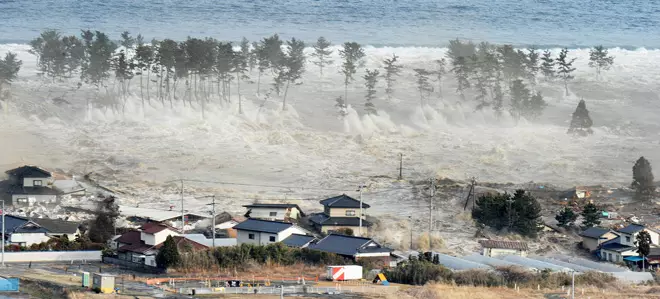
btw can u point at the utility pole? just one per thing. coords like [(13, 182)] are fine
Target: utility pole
[(361, 213), (183, 217), (573, 284), (400, 166), (212, 204), (3, 233), (470, 195), (411, 232), (431, 212)]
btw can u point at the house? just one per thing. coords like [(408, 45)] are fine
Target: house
[(141, 216), (615, 250), (340, 213), (494, 248), (27, 231), (144, 249), (208, 242), (30, 184), (274, 211), (629, 234), (355, 248), (593, 237), (298, 241), (263, 232)]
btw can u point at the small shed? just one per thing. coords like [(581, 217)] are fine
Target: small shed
[(104, 282), (493, 248)]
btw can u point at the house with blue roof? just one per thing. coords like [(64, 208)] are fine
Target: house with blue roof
[(27, 231), (623, 248)]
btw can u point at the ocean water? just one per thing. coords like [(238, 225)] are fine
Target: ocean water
[(623, 23)]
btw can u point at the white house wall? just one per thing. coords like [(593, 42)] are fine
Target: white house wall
[(290, 231), (52, 256), (27, 239), (33, 198), (29, 182), (264, 213), (259, 238)]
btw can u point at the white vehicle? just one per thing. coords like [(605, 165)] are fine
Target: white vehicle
[(341, 273)]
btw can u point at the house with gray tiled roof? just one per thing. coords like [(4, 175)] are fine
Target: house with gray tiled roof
[(340, 213), (31, 184), (263, 232), (353, 247)]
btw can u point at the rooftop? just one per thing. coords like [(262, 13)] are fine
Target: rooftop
[(155, 227), (631, 229), (504, 244), (155, 215), (57, 226), (323, 219), (296, 240), (29, 171), (594, 232), (34, 190), (131, 237), (343, 201), (348, 245), (274, 206), (265, 226), (219, 242), (616, 246)]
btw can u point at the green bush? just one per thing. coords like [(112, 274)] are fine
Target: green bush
[(417, 272)]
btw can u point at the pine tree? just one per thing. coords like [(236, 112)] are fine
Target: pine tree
[(223, 67), (370, 81), (643, 177), (353, 55), (51, 54), (534, 108), (458, 49), (440, 73), (513, 63), (167, 56), (532, 65), (566, 217), (74, 51), (272, 47), (527, 214), (565, 67), (423, 85), (520, 213), (240, 63), (643, 242), (144, 56), (392, 70), (9, 68), (581, 122), (600, 59), (102, 227), (590, 215), (520, 95), (168, 255), (293, 65), (548, 65), (498, 98), (263, 63), (322, 53), (461, 70)]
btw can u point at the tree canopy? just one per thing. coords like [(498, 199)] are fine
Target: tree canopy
[(519, 212), (168, 255), (643, 177), (581, 122), (591, 215)]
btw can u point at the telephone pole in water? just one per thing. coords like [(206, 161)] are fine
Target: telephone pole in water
[(400, 166), (431, 211), (212, 204), (473, 182)]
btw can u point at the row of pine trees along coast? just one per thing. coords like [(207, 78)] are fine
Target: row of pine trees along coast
[(199, 71)]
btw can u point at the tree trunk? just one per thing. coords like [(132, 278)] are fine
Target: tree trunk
[(286, 90), (258, 82), (566, 86), (142, 90), (346, 95), (160, 88), (148, 80)]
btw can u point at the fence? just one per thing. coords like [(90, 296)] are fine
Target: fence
[(133, 266), (52, 256), (290, 290)]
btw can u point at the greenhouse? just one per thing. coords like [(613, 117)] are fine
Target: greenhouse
[(493, 262), (455, 263)]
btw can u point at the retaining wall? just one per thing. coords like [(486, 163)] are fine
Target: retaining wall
[(52, 256)]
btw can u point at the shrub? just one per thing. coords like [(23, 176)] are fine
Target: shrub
[(417, 272), (478, 277)]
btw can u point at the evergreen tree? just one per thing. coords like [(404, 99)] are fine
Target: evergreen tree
[(223, 67), (74, 51), (566, 217), (513, 63), (9, 68), (272, 47), (98, 53), (102, 228), (263, 63), (167, 56), (123, 73), (293, 65), (520, 213), (643, 177), (461, 70), (168, 255), (498, 97), (240, 64), (322, 53), (254, 59), (392, 70), (440, 73), (370, 81), (458, 49), (520, 96), (566, 68), (423, 85), (643, 242), (591, 215), (144, 56), (527, 214), (535, 106), (353, 55), (532, 65), (600, 59), (246, 54), (548, 65), (51, 54), (581, 122)]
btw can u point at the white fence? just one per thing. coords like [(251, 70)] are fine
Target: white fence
[(52, 256)]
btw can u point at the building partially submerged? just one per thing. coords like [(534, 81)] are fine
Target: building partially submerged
[(494, 248), (274, 211)]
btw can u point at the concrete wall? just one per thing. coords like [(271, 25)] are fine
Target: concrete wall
[(264, 213), (28, 239), (25, 199), (494, 252), (356, 229), (243, 236), (51, 256)]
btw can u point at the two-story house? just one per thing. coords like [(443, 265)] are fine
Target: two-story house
[(340, 213), (274, 211), (28, 231), (31, 184), (263, 232), (617, 249), (143, 249), (593, 237)]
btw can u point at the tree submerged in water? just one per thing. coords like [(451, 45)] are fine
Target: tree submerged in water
[(643, 177), (581, 122)]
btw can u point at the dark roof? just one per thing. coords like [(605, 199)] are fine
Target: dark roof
[(504, 244), (56, 226), (28, 171), (343, 201), (138, 248), (631, 229), (296, 240), (156, 227), (616, 246), (13, 222), (181, 241), (16, 189), (275, 206), (30, 228), (348, 245), (132, 237), (594, 232), (323, 219), (265, 226)]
